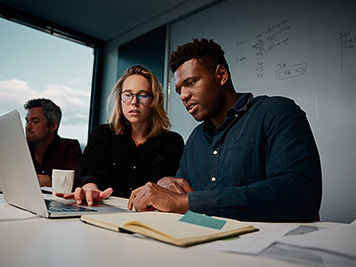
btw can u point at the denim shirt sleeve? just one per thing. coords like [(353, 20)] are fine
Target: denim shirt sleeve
[(268, 167)]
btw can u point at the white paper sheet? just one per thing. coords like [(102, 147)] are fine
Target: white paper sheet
[(341, 240), (252, 243)]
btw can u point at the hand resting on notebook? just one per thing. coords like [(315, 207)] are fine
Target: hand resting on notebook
[(89, 193)]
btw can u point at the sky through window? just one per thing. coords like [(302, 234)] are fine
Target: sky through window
[(34, 64)]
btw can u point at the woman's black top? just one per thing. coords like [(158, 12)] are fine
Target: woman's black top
[(111, 160)]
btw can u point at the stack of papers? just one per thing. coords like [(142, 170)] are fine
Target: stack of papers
[(305, 244)]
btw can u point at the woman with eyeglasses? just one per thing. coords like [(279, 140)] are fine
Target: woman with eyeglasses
[(134, 147)]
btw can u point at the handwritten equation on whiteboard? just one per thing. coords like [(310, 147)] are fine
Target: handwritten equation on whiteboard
[(273, 38), (285, 71), (348, 43)]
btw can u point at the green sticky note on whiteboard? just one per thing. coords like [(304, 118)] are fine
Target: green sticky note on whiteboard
[(202, 220)]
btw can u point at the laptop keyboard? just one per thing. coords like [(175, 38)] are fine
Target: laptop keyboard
[(56, 206)]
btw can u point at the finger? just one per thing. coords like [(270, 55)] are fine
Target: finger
[(133, 197), (79, 195), (177, 185), (142, 201), (185, 185), (65, 196), (166, 181), (144, 204), (129, 204), (89, 196), (104, 194)]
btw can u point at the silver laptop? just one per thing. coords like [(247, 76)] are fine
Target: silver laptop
[(18, 178)]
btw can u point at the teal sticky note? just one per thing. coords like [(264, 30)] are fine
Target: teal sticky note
[(202, 220)]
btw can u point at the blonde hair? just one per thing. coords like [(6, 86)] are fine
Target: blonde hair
[(159, 122)]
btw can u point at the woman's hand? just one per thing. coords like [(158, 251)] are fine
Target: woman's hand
[(89, 193)]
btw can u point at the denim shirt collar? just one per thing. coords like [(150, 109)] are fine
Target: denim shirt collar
[(241, 106)]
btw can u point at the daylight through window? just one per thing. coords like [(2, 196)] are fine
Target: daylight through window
[(35, 64)]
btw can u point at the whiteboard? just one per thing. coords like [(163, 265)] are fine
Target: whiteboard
[(305, 50)]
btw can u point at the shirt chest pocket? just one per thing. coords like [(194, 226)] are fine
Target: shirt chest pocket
[(239, 161)]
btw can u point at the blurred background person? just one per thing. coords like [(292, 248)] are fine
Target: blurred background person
[(48, 150)]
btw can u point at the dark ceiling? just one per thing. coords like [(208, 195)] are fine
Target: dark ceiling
[(100, 19)]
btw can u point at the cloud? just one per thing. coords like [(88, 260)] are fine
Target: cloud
[(74, 103), (14, 93)]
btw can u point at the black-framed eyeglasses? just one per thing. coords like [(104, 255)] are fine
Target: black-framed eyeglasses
[(127, 97)]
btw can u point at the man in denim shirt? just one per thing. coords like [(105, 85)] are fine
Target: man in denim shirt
[(252, 158)]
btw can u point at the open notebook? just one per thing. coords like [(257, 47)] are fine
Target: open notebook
[(18, 178), (177, 229)]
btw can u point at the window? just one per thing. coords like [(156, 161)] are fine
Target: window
[(34, 64)]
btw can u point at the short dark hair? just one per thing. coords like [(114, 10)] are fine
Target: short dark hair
[(207, 53), (50, 110)]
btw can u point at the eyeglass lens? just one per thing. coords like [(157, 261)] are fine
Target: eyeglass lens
[(127, 97)]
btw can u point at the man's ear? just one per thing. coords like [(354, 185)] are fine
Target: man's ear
[(54, 127), (221, 74)]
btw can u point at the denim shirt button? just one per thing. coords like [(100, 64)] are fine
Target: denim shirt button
[(213, 179), (215, 152)]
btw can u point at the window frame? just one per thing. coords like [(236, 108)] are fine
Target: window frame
[(40, 24)]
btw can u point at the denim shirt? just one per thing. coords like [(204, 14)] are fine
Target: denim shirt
[(262, 164)]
